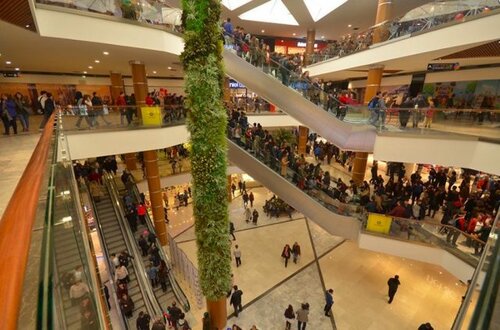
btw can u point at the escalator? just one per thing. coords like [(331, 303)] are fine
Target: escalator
[(333, 216), (115, 241), (67, 258), (173, 292), (344, 135)]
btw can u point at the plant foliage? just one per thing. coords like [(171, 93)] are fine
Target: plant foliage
[(202, 61)]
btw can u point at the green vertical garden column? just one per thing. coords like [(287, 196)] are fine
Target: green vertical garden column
[(204, 76)]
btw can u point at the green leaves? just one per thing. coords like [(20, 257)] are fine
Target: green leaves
[(202, 61)]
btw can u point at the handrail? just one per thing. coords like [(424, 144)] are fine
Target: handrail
[(109, 268), (14, 248), (147, 293), (175, 286)]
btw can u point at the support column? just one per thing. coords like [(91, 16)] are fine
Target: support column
[(373, 82), (130, 161), (140, 83), (229, 192), (227, 90), (311, 39), (155, 195), (359, 167), (116, 85), (384, 12), (218, 312), (303, 135)]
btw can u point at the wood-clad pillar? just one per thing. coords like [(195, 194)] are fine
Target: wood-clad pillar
[(140, 83), (384, 12), (229, 191), (218, 313), (359, 167), (155, 194), (310, 41), (303, 135), (130, 161), (373, 82), (116, 85), (227, 90)]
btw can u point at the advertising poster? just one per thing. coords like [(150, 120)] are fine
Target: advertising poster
[(151, 116), (379, 223)]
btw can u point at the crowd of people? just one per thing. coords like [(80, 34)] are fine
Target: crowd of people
[(13, 109)]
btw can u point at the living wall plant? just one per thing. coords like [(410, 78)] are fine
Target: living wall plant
[(202, 61)]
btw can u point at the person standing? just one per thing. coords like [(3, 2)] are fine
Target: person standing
[(143, 320), (236, 300), (248, 215), (286, 253), (255, 215), (303, 316), (245, 199), (393, 284), (251, 198), (329, 301), (231, 230), (289, 316), (237, 255), (296, 252), (175, 314)]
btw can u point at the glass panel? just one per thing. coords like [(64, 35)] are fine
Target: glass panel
[(69, 297)]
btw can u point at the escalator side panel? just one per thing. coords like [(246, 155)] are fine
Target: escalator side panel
[(335, 224)]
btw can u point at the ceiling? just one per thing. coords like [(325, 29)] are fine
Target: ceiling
[(19, 46), (357, 13)]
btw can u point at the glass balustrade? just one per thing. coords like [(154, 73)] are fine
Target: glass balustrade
[(70, 295), (429, 17)]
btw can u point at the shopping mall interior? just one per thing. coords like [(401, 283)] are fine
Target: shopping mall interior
[(250, 164)]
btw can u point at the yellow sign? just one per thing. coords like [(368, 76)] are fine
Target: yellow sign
[(379, 223), (151, 116)]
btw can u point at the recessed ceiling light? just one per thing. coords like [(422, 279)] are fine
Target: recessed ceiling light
[(349, 25), (154, 72), (322, 37), (91, 67), (85, 72), (17, 69), (83, 77), (8, 62), (97, 61), (282, 40), (294, 34), (27, 25), (262, 31), (170, 68), (105, 53)]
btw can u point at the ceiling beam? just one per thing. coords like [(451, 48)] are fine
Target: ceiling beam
[(246, 7), (301, 13)]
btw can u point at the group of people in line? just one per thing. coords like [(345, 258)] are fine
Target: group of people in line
[(18, 108)]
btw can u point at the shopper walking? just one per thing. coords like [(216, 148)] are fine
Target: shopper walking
[(22, 109), (231, 230), (251, 198), (295, 252), (286, 253), (245, 199), (329, 302), (237, 255), (236, 300), (175, 314), (303, 316), (393, 284), (289, 317)]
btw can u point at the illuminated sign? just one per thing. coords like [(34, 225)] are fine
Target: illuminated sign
[(235, 84), (303, 44)]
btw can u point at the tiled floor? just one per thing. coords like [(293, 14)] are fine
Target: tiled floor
[(428, 293), (15, 152)]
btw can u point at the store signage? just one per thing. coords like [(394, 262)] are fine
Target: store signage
[(235, 84), (303, 44), (11, 74), (442, 66)]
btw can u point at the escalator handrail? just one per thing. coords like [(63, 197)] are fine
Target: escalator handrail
[(109, 267), (179, 293), (151, 303)]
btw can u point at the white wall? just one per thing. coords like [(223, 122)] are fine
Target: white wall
[(471, 33), (436, 256), (457, 150), (432, 77)]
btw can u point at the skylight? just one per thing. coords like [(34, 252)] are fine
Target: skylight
[(233, 4), (320, 8), (273, 11)]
